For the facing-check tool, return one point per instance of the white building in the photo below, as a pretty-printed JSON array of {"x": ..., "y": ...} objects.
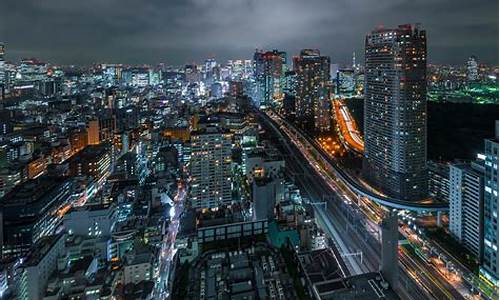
[
  {"x": 38, "y": 267},
  {"x": 138, "y": 266},
  {"x": 90, "y": 220},
  {"x": 210, "y": 168},
  {"x": 466, "y": 205}
]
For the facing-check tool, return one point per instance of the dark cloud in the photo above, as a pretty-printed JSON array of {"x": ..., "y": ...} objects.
[{"x": 176, "y": 32}]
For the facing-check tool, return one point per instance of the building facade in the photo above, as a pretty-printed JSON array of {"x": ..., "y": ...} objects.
[
  {"x": 32, "y": 211},
  {"x": 39, "y": 266},
  {"x": 395, "y": 111},
  {"x": 466, "y": 205},
  {"x": 489, "y": 267},
  {"x": 313, "y": 87},
  {"x": 210, "y": 168},
  {"x": 269, "y": 77},
  {"x": 472, "y": 74}
]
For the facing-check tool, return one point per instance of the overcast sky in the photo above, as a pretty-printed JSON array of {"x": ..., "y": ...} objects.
[{"x": 177, "y": 32}]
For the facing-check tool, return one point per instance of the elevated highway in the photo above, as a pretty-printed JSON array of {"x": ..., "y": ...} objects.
[{"x": 353, "y": 184}]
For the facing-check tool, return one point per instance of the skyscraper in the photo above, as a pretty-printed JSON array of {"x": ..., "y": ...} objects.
[
  {"x": 489, "y": 267},
  {"x": 269, "y": 76},
  {"x": 395, "y": 111},
  {"x": 290, "y": 90},
  {"x": 209, "y": 75},
  {"x": 210, "y": 168},
  {"x": 472, "y": 74},
  {"x": 2, "y": 70},
  {"x": 312, "y": 102}
]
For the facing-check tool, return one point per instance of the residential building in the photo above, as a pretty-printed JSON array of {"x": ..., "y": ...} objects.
[
  {"x": 466, "y": 205},
  {"x": 312, "y": 100},
  {"x": 210, "y": 168},
  {"x": 395, "y": 113}
]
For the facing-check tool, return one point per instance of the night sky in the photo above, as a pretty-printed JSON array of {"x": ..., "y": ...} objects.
[{"x": 177, "y": 32}]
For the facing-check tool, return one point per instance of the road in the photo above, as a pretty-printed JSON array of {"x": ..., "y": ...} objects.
[
  {"x": 168, "y": 250},
  {"x": 316, "y": 182},
  {"x": 351, "y": 136},
  {"x": 353, "y": 140}
]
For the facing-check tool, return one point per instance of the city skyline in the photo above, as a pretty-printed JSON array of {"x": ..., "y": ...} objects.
[
  {"x": 216, "y": 149},
  {"x": 178, "y": 33}
]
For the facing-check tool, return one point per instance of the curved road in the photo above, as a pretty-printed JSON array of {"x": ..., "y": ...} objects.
[{"x": 352, "y": 183}]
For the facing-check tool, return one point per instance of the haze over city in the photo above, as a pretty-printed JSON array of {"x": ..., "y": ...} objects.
[
  {"x": 248, "y": 150},
  {"x": 179, "y": 32}
]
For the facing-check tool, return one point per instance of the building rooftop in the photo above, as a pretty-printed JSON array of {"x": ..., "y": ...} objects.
[
  {"x": 40, "y": 249},
  {"x": 360, "y": 287},
  {"x": 324, "y": 271},
  {"x": 31, "y": 191},
  {"x": 91, "y": 152},
  {"x": 210, "y": 129}
]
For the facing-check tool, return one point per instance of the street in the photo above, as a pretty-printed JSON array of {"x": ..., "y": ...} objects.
[
  {"x": 168, "y": 250},
  {"x": 322, "y": 184}
]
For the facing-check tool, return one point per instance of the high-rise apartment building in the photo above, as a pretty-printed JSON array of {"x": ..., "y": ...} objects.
[
  {"x": 210, "y": 168},
  {"x": 395, "y": 111},
  {"x": 466, "y": 205},
  {"x": 489, "y": 267},
  {"x": 312, "y": 101},
  {"x": 269, "y": 77}
]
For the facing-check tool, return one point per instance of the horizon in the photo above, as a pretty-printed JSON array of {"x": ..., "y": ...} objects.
[{"x": 65, "y": 33}]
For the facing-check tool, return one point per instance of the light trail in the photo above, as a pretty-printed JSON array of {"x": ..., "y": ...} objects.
[
  {"x": 431, "y": 282},
  {"x": 348, "y": 128},
  {"x": 168, "y": 250}
]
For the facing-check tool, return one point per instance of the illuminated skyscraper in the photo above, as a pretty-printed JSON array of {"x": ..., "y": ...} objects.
[
  {"x": 208, "y": 70},
  {"x": 312, "y": 101},
  {"x": 472, "y": 74},
  {"x": 269, "y": 77},
  {"x": 395, "y": 111},
  {"x": 489, "y": 267},
  {"x": 2, "y": 69}
]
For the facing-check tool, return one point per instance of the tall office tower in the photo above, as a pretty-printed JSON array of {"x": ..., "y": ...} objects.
[
  {"x": 395, "y": 111},
  {"x": 466, "y": 205},
  {"x": 210, "y": 168},
  {"x": 208, "y": 75},
  {"x": 489, "y": 267},
  {"x": 2, "y": 70},
  {"x": 472, "y": 74},
  {"x": 312, "y": 101},
  {"x": 270, "y": 68}
]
